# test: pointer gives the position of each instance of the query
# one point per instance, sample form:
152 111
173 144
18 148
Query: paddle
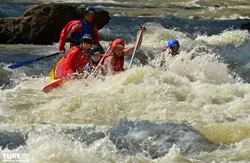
50 87
133 54
20 64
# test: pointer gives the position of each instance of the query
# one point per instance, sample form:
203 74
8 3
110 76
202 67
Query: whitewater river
195 109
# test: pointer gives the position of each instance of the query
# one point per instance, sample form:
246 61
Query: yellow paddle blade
52 73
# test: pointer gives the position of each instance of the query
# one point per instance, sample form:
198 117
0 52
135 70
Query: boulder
152 139
12 140
156 139
43 24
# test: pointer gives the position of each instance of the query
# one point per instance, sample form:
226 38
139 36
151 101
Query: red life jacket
119 61
74 62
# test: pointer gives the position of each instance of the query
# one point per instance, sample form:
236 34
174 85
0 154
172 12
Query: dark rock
130 137
43 24
12 140
155 140
88 135
245 26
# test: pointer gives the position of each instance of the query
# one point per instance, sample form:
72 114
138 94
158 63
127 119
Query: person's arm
96 38
109 64
66 33
130 50
70 61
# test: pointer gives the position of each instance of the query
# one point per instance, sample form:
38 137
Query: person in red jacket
72 66
75 29
114 60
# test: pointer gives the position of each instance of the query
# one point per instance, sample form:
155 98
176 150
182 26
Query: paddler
75 29
114 60
94 65
72 66
95 57
172 48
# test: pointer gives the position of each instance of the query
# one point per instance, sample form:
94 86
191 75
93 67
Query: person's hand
89 68
164 48
62 50
143 28
110 43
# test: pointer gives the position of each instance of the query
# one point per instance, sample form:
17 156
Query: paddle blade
20 64
52 73
53 85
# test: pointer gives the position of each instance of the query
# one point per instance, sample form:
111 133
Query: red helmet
118 43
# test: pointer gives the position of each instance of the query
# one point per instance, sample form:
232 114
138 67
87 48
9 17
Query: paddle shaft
20 64
133 54
48 56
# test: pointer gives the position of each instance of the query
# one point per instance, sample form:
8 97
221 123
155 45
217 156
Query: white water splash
235 38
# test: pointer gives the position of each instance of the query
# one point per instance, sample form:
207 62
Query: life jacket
87 28
93 63
74 62
119 61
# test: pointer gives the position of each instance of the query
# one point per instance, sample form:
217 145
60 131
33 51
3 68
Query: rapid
194 109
